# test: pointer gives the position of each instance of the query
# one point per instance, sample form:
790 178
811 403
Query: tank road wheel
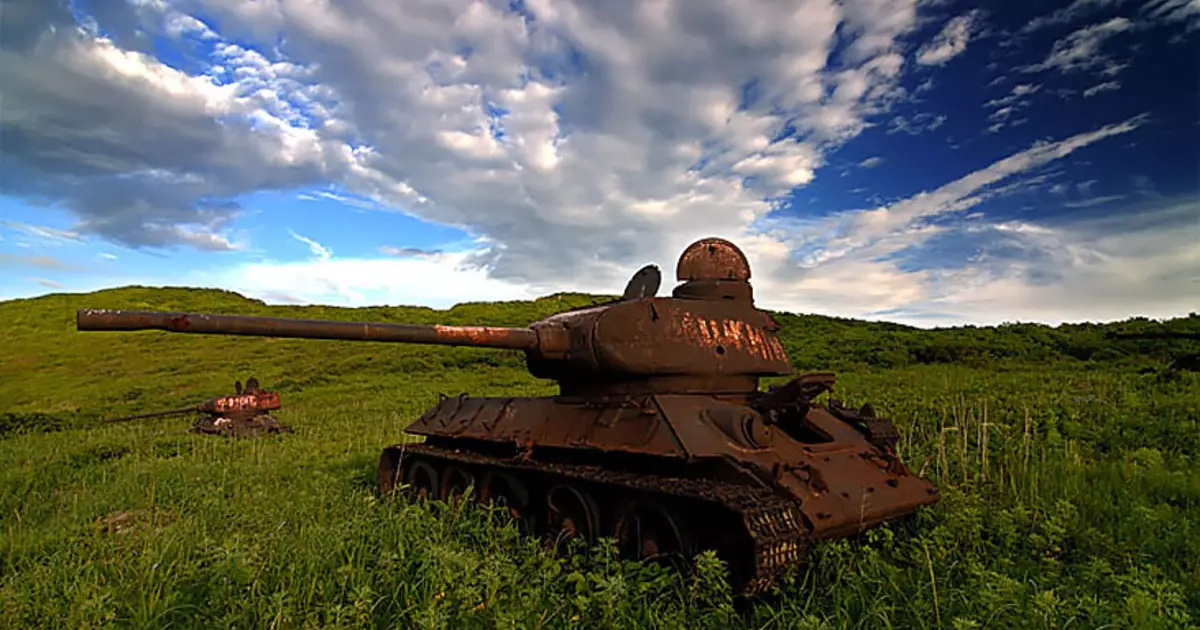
388 475
504 490
571 513
648 532
422 479
456 480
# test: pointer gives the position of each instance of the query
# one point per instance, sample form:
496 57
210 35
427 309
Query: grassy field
1069 473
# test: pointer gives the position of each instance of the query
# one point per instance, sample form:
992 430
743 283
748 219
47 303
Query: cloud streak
1068 14
1004 108
47 235
916 125
342 199
1181 11
319 251
38 261
950 42
1186 12
1106 86
410 252
1081 50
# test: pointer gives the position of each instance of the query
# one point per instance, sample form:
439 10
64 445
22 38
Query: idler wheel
505 491
455 482
650 533
422 479
571 513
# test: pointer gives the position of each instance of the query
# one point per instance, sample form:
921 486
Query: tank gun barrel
155 414
253 326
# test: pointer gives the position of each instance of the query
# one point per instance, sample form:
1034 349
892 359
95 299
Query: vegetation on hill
815 340
1067 461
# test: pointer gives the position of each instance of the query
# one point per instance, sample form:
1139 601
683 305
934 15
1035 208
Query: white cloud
400 108
1101 87
40 261
1186 11
1081 50
1143 256
343 199
1070 13
438 282
197 237
1016 100
871 162
319 251
916 125
603 159
47 235
1092 201
139 150
1015 97
950 42
410 252
48 283
1086 268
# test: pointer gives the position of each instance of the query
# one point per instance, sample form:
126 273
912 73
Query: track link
775 535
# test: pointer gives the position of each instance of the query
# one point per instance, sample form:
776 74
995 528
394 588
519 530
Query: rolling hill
1067 462
51 369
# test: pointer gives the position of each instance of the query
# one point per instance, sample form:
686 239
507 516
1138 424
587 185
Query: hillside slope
48 367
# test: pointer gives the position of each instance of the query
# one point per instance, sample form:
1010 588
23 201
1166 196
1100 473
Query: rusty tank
660 436
247 412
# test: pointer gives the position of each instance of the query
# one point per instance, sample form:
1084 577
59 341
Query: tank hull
709 470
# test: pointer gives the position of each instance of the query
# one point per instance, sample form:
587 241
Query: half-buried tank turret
659 436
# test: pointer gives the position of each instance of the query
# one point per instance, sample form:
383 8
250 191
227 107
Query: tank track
773 526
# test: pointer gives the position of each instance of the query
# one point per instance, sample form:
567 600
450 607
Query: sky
929 162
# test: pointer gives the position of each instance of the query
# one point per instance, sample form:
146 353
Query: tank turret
659 437
708 337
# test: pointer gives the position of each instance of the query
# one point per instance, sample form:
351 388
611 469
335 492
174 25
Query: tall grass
1071 498
1046 521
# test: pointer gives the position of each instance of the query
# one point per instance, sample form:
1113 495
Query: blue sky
925 161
